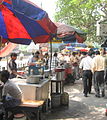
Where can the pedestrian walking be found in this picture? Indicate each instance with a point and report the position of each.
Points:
(98, 66)
(75, 63)
(105, 72)
(85, 65)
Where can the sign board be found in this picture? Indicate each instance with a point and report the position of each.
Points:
(101, 29)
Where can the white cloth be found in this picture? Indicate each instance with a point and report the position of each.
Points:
(11, 89)
(54, 62)
(86, 63)
(67, 59)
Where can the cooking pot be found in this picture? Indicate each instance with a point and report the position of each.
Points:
(59, 69)
(60, 75)
(34, 78)
(46, 73)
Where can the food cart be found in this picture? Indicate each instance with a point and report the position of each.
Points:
(38, 91)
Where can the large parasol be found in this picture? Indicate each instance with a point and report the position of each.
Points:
(22, 21)
(69, 33)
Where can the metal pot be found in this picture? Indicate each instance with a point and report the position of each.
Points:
(60, 75)
(46, 73)
(34, 79)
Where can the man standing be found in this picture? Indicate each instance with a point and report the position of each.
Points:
(12, 66)
(75, 63)
(85, 65)
(98, 66)
(54, 61)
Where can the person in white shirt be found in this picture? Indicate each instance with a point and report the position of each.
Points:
(85, 65)
(54, 61)
(11, 93)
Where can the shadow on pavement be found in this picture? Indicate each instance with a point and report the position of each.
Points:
(74, 110)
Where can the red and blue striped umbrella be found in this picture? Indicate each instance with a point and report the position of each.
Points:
(22, 21)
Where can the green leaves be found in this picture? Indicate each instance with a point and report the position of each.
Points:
(81, 13)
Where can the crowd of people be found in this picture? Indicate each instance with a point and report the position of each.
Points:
(91, 66)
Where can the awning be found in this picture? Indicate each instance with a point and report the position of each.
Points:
(7, 49)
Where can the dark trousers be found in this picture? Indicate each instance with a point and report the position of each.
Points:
(99, 82)
(87, 81)
(105, 75)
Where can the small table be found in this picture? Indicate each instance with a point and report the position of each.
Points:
(29, 108)
(56, 91)
(58, 86)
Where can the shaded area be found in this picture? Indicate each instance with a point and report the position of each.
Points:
(80, 107)
(75, 110)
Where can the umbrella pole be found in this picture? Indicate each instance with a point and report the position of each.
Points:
(50, 55)
(7, 61)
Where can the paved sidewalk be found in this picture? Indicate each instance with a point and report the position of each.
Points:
(80, 107)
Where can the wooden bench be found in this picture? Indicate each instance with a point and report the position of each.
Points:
(28, 108)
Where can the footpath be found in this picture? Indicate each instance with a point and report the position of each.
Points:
(80, 107)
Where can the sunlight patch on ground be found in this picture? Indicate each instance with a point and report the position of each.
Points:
(85, 118)
(75, 91)
(76, 98)
(97, 111)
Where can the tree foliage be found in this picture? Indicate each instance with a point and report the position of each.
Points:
(82, 13)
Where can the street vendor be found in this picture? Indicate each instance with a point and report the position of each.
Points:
(12, 66)
(34, 65)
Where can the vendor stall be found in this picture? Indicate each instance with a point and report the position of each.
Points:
(38, 91)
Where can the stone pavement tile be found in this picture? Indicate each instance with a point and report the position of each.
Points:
(80, 107)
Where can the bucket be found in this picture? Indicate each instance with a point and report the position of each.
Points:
(55, 100)
(65, 98)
